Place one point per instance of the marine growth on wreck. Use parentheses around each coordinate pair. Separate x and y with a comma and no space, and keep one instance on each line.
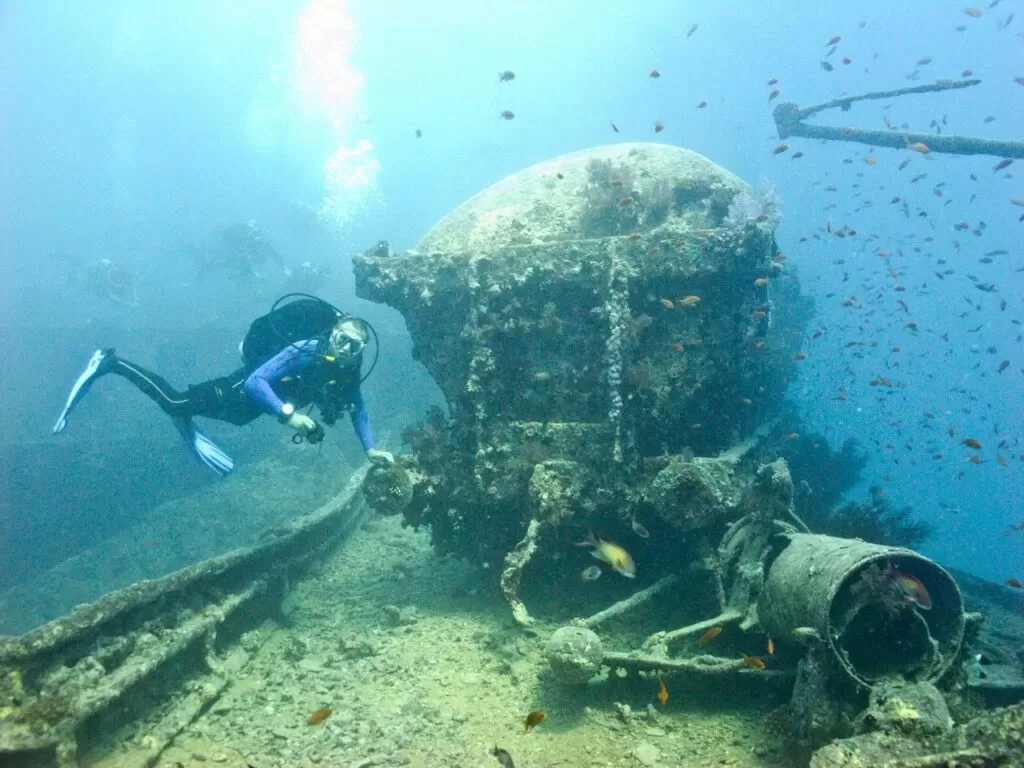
(614,331)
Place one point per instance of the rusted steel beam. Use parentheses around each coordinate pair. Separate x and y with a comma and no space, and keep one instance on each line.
(66,684)
(790,121)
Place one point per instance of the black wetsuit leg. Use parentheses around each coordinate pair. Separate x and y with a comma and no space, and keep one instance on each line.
(223,398)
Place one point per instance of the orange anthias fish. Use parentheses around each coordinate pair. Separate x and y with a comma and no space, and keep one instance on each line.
(662,691)
(611,553)
(709,635)
(319,716)
(752,661)
(770,646)
(911,586)
(533,719)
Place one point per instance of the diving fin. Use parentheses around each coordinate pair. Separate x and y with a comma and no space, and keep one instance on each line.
(203,448)
(101,362)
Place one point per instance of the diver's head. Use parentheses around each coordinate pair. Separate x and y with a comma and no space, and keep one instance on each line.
(347,340)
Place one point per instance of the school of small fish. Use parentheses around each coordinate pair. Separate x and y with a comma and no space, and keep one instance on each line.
(892,305)
(883,302)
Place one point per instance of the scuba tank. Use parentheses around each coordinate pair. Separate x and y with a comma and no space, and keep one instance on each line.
(305,317)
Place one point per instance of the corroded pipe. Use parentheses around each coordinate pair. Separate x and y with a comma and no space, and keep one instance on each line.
(789,120)
(880,610)
(637,599)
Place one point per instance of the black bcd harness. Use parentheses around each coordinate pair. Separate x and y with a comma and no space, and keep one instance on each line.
(302,318)
(307,317)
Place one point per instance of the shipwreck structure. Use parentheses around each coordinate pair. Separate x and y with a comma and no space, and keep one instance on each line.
(613,331)
(610,329)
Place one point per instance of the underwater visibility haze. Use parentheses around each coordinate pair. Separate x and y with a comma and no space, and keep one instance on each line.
(435,327)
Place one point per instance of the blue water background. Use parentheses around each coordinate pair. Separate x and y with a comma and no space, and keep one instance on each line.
(206,92)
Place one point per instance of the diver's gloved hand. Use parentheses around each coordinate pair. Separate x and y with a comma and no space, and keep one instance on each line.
(380,458)
(300,422)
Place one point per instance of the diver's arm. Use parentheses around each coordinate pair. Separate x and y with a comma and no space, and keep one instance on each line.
(291,360)
(361,420)
(361,423)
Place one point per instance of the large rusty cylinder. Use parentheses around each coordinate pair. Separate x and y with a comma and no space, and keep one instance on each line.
(634,285)
(848,591)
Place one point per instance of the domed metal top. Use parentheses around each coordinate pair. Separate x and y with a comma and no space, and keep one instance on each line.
(606,191)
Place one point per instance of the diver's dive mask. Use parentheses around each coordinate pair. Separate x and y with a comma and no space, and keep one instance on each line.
(347,340)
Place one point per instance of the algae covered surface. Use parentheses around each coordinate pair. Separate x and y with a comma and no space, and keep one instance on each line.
(421,665)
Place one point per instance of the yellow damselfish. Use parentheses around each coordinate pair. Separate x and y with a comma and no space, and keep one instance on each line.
(611,553)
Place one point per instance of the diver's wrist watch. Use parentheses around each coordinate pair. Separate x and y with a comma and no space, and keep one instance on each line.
(286,413)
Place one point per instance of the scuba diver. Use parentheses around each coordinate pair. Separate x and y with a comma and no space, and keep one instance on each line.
(109,280)
(306,352)
(103,278)
(240,250)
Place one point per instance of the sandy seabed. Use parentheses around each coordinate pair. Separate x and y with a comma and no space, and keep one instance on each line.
(422,666)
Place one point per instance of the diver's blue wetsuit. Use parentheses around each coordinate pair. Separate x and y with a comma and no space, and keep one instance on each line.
(296,373)
(292,361)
